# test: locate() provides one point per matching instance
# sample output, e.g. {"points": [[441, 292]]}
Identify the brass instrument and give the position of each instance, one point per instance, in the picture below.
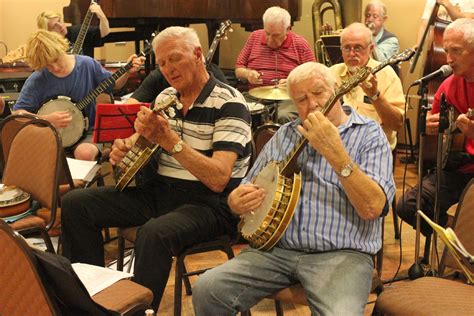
{"points": [[344, 13]]}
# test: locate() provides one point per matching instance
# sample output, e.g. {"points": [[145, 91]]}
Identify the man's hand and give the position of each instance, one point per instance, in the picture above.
{"points": [[246, 198], [323, 136], [465, 125], [119, 150], [59, 119], [97, 10], [254, 77], [370, 87], [155, 128], [432, 123]]}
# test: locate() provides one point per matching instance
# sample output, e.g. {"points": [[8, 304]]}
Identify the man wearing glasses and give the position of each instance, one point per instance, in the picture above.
{"points": [[380, 97], [386, 43]]}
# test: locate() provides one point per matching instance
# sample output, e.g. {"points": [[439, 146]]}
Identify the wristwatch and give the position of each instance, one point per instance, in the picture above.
{"points": [[375, 96], [177, 148], [347, 169]]}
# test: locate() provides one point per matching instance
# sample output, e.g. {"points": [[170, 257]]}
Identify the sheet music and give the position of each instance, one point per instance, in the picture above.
{"points": [[82, 169], [96, 278]]}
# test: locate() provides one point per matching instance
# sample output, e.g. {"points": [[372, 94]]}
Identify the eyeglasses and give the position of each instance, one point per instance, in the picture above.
{"points": [[357, 49], [375, 16]]}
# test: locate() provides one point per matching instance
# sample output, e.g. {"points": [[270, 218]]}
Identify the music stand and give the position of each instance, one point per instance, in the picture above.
{"points": [[332, 47], [115, 121]]}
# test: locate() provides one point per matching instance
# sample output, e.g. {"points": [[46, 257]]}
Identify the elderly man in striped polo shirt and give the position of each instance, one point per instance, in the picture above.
{"points": [[347, 186], [270, 54], [206, 151]]}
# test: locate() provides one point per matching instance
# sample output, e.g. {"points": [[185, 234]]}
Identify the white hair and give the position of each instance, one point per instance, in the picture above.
{"points": [[466, 27], [377, 4], [357, 27], [187, 35], [277, 15], [307, 71]]}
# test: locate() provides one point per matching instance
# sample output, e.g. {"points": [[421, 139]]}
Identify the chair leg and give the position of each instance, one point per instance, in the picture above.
{"points": [[246, 313], [396, 227], [278, 308], [178, 285], [187, 283], [47, 241], [121, 253]]}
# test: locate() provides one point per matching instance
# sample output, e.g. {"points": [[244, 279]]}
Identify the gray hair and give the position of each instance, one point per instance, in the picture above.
{"points": [[187, 35], [357, 27], [277, 15], [309, 70], [466, 27], [377, 4]]}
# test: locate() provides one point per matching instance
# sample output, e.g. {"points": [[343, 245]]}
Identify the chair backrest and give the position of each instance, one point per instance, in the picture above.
{"points": [[462, 225], [262, 135], [35, 162], [22, 291]]}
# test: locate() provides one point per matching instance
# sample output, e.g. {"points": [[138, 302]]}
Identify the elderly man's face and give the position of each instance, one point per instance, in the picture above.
{"points": [[356, 49], [276, 34], [374, 19], [459, 54], [310, 95], [177, 63], [56, 25]]}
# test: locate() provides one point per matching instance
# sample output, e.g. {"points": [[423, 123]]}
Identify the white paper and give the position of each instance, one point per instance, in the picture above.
{"points": [[96, 278], [82, 169]]}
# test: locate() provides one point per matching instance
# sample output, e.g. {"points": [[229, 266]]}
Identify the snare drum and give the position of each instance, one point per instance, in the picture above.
{"points": [[257, 111]]}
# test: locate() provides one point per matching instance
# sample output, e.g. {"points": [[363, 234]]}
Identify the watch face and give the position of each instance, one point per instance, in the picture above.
{"points": [[345, 172]]}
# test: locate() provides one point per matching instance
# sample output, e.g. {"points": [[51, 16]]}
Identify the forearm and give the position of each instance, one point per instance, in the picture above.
{"points": [[121, 81], [453, 11], [104, 26], [241, 73], [390, 116], [214, 172]]}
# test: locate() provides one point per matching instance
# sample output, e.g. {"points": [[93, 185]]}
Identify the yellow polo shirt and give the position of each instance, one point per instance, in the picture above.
{"points": [[389, 86]]}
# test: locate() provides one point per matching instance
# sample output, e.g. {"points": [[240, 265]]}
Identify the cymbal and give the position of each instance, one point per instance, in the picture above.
{"points": [[270, 93]]}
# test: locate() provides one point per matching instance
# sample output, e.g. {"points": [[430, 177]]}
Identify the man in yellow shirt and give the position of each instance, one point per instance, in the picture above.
{"points": [[380, 97]]}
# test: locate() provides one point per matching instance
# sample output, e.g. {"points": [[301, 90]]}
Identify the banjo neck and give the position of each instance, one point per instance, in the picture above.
{"points": [[77, 48]]}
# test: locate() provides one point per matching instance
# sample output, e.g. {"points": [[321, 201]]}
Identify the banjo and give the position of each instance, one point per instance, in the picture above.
{"points": [[71, 134], [141, 153], [13, 201], [282, 180], [77, 47]]}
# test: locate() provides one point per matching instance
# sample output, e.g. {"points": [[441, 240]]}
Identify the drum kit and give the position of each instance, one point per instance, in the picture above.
{"points": [[269, 95]]}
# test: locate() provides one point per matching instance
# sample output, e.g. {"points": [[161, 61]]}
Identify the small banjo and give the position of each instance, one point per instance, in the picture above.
{"points": [[71, 134], [266, 225]]}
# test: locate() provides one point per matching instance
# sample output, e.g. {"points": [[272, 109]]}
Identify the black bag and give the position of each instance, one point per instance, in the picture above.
{"points": [[65, 287]]}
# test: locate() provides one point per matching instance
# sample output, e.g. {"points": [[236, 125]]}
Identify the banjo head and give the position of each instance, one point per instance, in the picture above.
{"points": [[13, 201], [268, 180], [74, 131]]}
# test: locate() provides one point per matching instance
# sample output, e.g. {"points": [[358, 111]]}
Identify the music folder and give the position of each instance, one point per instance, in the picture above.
{"points": [[463, 258], [115, 121], [332, 45]]}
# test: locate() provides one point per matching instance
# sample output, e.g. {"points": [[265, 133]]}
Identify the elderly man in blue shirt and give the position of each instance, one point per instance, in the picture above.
{"points": [[346, 188]]}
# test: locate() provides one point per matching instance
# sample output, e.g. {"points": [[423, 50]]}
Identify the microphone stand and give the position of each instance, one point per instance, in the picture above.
{"points": [[416, 271], [443, 125]]}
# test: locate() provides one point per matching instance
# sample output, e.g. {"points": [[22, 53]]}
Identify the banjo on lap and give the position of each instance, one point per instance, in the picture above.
{"points": [[282, 180], [71, 134]]}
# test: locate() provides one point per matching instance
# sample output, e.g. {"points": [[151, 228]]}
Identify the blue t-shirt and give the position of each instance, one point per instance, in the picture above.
{"points": [[43, 86]]}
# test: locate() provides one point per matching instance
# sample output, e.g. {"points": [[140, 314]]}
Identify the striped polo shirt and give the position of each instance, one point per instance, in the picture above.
{"points": [[324, 218], [219, 120], [274, 63]]}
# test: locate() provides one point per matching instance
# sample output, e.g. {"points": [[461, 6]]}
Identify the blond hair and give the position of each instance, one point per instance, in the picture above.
{"points": [[44, 17], [44, 47]]}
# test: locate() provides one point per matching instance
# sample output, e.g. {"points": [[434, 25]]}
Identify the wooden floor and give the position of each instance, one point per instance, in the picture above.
{"points": [[391, 261]]}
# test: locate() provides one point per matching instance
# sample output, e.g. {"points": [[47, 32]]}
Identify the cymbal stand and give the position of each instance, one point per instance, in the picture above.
{"points": [[416, 271]]}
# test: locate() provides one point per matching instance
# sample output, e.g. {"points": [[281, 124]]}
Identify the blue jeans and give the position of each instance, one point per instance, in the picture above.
{"points": [[336, 282]]}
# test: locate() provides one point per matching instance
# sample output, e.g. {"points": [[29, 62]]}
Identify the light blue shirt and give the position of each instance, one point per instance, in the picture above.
{"points": [[386, 48], [324, 218]]}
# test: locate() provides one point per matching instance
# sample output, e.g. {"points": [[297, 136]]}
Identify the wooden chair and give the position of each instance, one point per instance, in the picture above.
{"points": [[24, 293], [35, 162], [437, 296], [263, 134]]}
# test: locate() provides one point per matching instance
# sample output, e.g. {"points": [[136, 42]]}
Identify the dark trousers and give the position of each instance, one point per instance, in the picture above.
{"points": [[452, 186], [172, 219]]}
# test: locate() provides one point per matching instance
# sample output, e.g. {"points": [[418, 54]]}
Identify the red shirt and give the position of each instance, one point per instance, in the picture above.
{"points": [[460, 94], [274, 63]]}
